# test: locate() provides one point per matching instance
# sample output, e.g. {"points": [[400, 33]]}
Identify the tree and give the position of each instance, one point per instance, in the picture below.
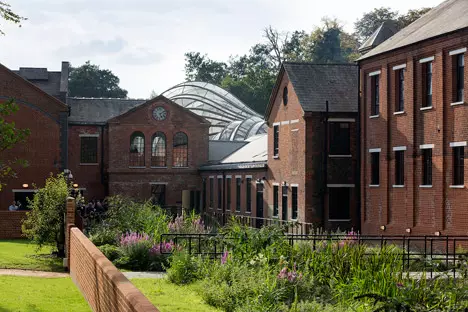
{"points": [[10, 137], [44, 223], [89, 80], [8, 15], [200, 68], [410, 16]]}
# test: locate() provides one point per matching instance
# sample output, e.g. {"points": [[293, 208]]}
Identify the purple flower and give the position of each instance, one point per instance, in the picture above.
{"points": [[400, 285], [133, 238], [162, 248], [225, 256], [283, 273]]}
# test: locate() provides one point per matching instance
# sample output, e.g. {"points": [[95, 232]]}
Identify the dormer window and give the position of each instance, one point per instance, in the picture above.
{"points": [[285, 96]]}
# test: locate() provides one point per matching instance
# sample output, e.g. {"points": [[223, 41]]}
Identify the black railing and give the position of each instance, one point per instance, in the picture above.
{"points": [[432, 255]]}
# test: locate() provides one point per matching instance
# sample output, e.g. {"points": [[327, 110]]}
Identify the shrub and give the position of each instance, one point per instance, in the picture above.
{"points": [[110, 251], [135, 251], [184, 268], [103, 236]]}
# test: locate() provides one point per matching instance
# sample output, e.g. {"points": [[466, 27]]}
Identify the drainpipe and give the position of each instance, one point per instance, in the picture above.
{"points": [[325, 165], [103, 180]]}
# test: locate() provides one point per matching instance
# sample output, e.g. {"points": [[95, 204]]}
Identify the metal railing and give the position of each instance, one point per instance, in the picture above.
{"points": [[432, 255]]}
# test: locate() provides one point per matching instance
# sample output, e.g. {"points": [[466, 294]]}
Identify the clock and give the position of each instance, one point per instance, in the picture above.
{"points": [[159, 113]]}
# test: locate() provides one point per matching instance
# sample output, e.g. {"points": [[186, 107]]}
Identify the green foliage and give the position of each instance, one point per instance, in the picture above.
{"points": [[184, 268], [111, 252], [103, 235], [89, 80], [44, 224], [10, 137], [135, 256], [8, 15]]}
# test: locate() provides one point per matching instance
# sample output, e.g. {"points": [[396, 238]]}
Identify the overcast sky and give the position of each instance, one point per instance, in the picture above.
{"points": [[144, 41]]}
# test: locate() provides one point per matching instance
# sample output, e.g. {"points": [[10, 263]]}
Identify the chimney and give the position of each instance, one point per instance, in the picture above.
{"points": [[64, 81]]}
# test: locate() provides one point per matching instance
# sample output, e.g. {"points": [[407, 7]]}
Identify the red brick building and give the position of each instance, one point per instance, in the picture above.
{"points": [[414, 133], [312, 151]]}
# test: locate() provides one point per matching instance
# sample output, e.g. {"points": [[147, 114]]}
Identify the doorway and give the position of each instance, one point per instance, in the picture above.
{"points": [[259, 206]]}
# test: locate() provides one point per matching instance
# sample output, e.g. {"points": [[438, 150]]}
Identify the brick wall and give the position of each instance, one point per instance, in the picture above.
{"points": [[10, 224], [424, 210]]}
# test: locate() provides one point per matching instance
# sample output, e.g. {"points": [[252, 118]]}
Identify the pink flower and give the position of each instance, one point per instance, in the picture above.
{"points": [[129, 239], [224, 258]]}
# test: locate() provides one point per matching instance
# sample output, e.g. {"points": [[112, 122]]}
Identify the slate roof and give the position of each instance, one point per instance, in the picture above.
{"points": [[98, 110], [315, 84], [449, 16], [385, 31], [48, 81]]}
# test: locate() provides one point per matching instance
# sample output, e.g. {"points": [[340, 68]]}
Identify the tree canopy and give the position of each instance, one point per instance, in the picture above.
{"points": [[89, 80], [8, 15]]}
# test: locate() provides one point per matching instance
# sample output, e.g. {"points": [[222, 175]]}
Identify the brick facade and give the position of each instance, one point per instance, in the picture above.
{"points": [[10, 224], [44, 149], [412, 207]]}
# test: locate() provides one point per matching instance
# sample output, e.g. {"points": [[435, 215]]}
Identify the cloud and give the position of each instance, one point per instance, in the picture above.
{"points": [[140, 56], [93, 48]]}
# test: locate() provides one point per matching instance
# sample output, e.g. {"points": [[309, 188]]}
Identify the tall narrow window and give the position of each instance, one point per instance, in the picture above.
{"points": [[204, 195], [238, 194], [427, 166], [339, 143], [284, 202], [459, 165], [180, 150], [375, 168], [338, 203], [460, 77], [228, 194], [220, 192], [294, 202], [89, 146], [285, 96], [211, 192], [401, 90], [427, 100], [275, 200], [248, 207], [276, 141], [399, 167], [375, 109], [158, 150], [137, 150]]}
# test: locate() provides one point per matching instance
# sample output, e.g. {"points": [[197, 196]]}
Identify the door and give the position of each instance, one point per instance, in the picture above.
{"points": [[259, 205], [158, 194], [284, 203]]}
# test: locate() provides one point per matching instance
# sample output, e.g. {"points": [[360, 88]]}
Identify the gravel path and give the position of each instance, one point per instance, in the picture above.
{"points": [[144, 274], [31, 273]]}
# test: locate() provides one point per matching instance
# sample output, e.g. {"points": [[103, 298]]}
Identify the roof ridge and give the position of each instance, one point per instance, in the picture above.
{"points": [[103, 98], [319, 64]]}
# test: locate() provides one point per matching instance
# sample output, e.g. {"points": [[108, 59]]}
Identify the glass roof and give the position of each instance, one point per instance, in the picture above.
{"points": [[230, 118]]}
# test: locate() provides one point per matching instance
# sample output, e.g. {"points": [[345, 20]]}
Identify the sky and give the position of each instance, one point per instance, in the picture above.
{"points": [[143, 41]]}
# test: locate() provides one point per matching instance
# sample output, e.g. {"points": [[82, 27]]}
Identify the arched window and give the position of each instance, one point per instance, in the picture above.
{"points": [[180, 150], [137, 150], [285, 95], [158, 150]]}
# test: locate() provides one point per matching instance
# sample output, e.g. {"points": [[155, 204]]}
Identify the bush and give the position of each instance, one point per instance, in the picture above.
{"points": [[110, 251], [103, 236], [135, 249], [184, 268]]}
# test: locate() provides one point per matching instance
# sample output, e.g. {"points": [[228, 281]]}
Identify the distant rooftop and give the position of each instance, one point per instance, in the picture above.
{"points": [[449, 16], [385, 31]]}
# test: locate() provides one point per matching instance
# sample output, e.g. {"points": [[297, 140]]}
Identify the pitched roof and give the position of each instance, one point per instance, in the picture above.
{"points": [[315, 84], [385, 31], [449, 16], [98, 110]]}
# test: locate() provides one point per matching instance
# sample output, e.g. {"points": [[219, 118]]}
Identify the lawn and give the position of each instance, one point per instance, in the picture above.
{"points": [[168, 297], [35, 294], [21, 254]]}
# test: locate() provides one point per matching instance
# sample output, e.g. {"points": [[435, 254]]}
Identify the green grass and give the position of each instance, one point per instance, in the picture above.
{"points": [[35, 294], [168, 297], [21, 254]]}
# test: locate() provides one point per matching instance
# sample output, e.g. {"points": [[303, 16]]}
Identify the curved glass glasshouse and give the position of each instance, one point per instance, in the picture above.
{"points": [[230, 118]]}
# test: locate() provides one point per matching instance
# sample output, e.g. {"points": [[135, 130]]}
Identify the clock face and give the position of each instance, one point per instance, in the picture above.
{"points": [[159, 113]]}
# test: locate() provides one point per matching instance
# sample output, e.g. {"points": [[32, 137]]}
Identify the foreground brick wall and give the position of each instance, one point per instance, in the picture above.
{"points": [[10, 224], [101, 283]]}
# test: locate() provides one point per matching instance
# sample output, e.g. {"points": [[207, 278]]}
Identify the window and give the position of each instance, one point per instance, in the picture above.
{"points": [[158, 194], [459, 77], [211, 192], [180, 150], [276, 141], [375, 95], [248, 207], [375, 168], [220, 192], [458, 165], [294, 202], [284, 202], [427, 166], [399, 167], [427, 100], [285, 95], [338, 203], [228, 193], [158, 150], [137, 150], [238, 194], [88, 150], [275, 200], [204, 194], [400, 90], [339, 138]]}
